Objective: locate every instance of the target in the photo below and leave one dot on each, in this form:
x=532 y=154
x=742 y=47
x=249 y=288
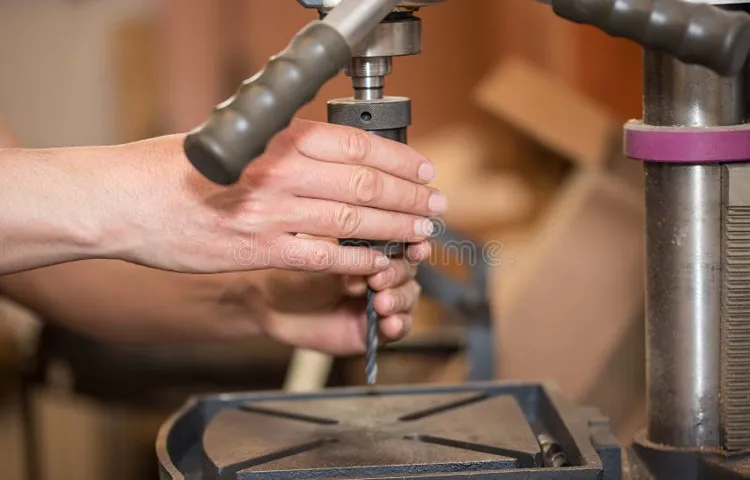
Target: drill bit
x=373 y=319
x=371 y=340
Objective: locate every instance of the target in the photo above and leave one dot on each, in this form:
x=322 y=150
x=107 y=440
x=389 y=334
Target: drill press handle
x=240 y=128
x=692 y=32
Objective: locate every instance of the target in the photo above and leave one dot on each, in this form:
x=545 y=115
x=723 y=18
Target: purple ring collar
x=687 y=144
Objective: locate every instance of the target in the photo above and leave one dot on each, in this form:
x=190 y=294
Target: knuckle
x=387 y=278
x=396 y=273
x=273 y=172
x=320 y=258
x=366 y=185
x=356 y=146
x=411 y=272
x=348 y=219
x=399 y=301
x=417 y=198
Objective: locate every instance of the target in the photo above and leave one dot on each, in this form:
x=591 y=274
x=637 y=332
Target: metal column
x=684 y=256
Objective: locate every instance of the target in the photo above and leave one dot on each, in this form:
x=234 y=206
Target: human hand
x=316 y=179
x=326 y=312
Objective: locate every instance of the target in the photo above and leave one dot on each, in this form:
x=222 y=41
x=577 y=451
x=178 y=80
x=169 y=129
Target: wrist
x=140 y=190
x=49 y=200
x=105 y=186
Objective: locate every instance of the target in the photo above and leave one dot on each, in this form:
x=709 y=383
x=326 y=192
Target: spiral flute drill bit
x=371 y=356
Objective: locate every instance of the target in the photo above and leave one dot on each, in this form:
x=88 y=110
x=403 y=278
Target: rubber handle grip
x=694 y=33
x=239 y=129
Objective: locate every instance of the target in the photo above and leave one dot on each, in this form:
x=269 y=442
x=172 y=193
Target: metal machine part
x=695 y=144
x=690 y=30
x=399 y=34
x=684 y=255
x=469 y=298
x=483 y=430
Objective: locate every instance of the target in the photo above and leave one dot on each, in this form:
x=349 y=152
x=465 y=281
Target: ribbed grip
x=240 y=128
x=694 y=33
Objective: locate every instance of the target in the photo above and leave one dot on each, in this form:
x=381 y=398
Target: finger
x=395 y=327
x=322 y=256
x=355 y=286
x=341 y=220
x=398 y=273
x=397 y=300
x=340 y=144
x=418 y=252
x=364 y=186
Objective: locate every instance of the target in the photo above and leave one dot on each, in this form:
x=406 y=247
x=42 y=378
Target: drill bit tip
x=372 y=376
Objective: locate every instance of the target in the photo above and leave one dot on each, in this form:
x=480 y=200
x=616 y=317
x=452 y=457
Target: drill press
x=695 y=142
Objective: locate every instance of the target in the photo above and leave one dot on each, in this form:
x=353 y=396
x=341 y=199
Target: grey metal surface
x=683 y=241
x=388 y=432
x=469 y=298
x=384 y=114
x=393 y=38
x=355 y=19
x=397 y=35
x=481 y=430
x=690 y=95
x=683 y=257
x=368 y=76
x=644 y=460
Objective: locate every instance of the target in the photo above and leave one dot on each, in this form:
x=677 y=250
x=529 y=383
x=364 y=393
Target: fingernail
x=423 y=228
x=438 y=203
x=382 y=262
x=426 y=172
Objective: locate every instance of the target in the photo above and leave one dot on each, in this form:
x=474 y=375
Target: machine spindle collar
x=687 y=144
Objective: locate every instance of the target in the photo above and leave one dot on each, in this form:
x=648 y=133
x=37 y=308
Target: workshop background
x=521 y=111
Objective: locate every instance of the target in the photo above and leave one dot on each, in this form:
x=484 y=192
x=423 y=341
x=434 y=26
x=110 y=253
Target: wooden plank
x=579 y=288
x=550 y=112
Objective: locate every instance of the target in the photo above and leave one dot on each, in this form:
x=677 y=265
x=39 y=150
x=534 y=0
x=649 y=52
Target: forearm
x=124 y=302
x=52 y=208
